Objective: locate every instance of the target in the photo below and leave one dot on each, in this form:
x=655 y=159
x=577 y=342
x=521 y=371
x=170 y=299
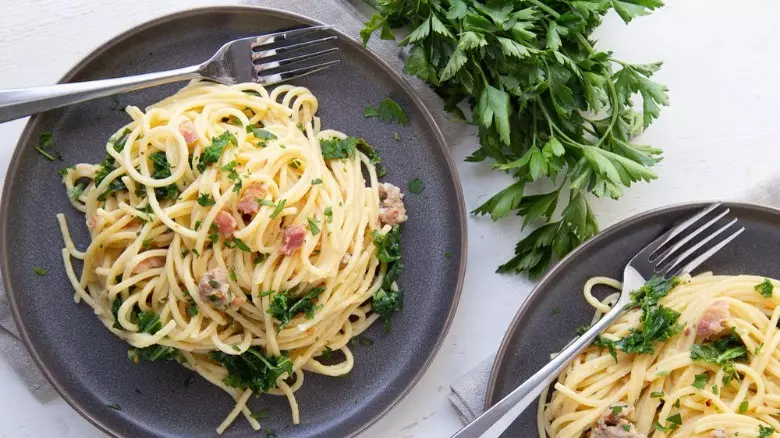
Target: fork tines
x=269 y=54
x=695 y=240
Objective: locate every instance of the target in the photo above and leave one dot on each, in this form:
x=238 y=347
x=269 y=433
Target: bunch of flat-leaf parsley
x=547 y=103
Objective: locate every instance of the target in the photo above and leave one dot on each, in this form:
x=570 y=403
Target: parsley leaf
x=387 y=111
x=206 y=199
x=278 y=209
x=415 y=186
x=284 y=307
x=316 y=181
x=252 y=369
x=388 y=244
x=241 y=245
x=313 y=226
x=162 y=169
x=744 y=406
x=547 y=102
x=765 y=288
x=724 y=352
x=658 y=323
x=40 y=271
x=213 y=152
x=388 y=299
x=765 y=431
x=47 y=148
x=699 y=381
x=149 y=322
x=108 y=165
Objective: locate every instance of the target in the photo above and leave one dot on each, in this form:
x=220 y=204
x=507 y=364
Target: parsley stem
x=545 y=8
x=554 y=127
x=615 y=110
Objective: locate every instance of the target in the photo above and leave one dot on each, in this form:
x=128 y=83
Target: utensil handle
x=496 y=419
x=25 y=101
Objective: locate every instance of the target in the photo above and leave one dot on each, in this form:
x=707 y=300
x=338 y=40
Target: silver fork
x=679 y=251
x=264 y=59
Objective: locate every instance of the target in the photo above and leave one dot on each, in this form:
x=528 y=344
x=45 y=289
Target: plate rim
x=400 y=82
x=550 y=276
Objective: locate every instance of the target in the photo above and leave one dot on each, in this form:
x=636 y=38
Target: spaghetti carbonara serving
x=695 y=357
x=230 y=232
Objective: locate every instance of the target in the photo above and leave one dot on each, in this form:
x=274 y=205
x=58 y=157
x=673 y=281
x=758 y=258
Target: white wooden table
x=720 y=135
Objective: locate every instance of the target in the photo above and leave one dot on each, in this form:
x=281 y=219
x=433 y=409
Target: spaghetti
x=229 y=231
x=718 y=376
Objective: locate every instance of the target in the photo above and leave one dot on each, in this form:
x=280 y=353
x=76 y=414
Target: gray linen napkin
x=348 y=19
x=468 y=392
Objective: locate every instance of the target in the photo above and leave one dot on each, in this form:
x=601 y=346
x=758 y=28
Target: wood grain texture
x=720 y=136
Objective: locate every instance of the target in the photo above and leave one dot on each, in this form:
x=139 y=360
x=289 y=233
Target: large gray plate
x=537 y=330
x=89 y=366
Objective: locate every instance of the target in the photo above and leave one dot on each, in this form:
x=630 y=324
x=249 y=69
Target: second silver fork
x=679 y=251
x=265 y=59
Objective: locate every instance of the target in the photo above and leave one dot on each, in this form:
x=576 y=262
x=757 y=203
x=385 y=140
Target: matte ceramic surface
x=89 y=366
x=548 y=319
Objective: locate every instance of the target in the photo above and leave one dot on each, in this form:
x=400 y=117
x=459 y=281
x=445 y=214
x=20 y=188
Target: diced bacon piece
x=614 y=423
x=187 y=129
x=214 y=289
x=391 y=204
x=225 y=223
x=151 y=262
x=250 y=200
x=293 y=238
x=713 y=319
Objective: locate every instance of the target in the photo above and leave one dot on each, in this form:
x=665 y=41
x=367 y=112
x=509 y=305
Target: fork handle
x=22 y=102
x=499 y=417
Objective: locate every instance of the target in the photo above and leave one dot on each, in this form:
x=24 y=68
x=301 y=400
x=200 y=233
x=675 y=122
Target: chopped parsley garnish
x=658 y=323
x=673 y=422
x=765 y=431
x=387 y=111
x=447 y=255
x=270 y=433
x=415 y=186
x=627 y=427
x=76 y=191
x=364 y=340
x=657 y=394
x=676 y=404
x=715 y=389
x=108 y=165
x=326 y=352
x=114 y=406
x=47 y=148
x=388 y=299
x=699 y=381
x=329 y=214
x=259 y=258
x=616 y=410
x=40 y=271
x=212 y=152
x=192 y=309
x=149 y=322
x=260 y=134
x=214 y=233
x=278 y=209
x=284 y=307
x=195 y=251
x=252 y=369
x=260 y=415
x=335 y=148
x=197 y=224
x=555 y=310
x=316 y=181
x=313 y=226
x=162 y=169
x=295 y=163
x=147 y=243
x=396 y=136
x=233 y=175
x=723 y=352
x=744 y=406
x=759 y=348
x=765 y=288
x=233 y=275
x=241 y=245
x=64 y=171
x=206 y=199
x=388 y=244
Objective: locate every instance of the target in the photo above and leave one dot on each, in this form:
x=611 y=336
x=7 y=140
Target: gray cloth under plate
x=348 y=19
